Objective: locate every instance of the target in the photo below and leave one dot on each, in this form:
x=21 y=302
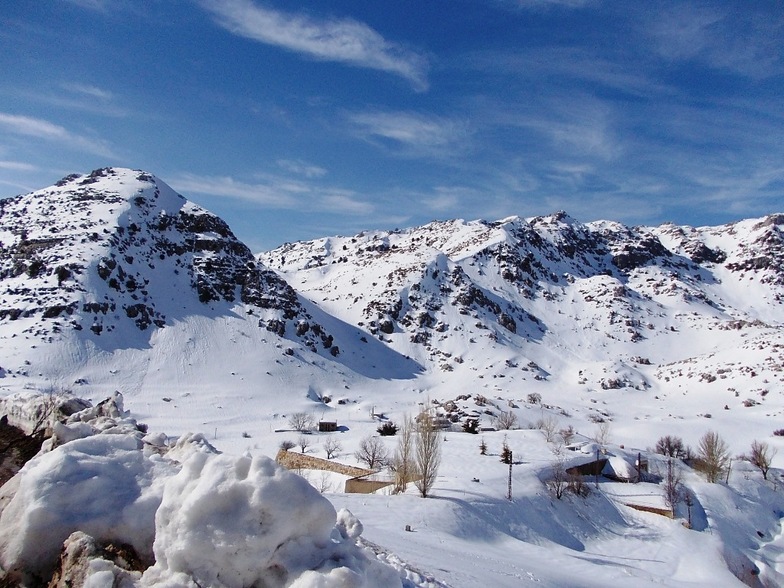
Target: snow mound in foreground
x=204 y=518
x=245 y=521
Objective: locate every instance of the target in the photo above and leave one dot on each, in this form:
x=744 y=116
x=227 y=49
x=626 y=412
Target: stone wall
x=292 y=460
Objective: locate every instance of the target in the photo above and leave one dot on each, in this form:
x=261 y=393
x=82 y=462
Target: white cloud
x=275 y=192
x=342 y=203
x=302 y=168
x=575 y=125
x=43 y=129
x=88 y=90
x=417 y=134
x=99 y=5
x=745 y=42
x=341 y=40
x=17 y=166
x=576 y=65
x=543 y=4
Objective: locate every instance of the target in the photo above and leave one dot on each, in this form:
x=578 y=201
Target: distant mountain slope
x=550 y=292
x=111 y=280
x=115 y=262
x=118 y=248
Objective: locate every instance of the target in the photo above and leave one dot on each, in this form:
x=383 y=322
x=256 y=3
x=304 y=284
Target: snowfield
x=199 y=517
x=203 y=518
x=592 y=336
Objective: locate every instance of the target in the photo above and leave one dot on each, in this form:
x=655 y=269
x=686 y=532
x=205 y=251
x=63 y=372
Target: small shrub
x=506 y=420
x=286 y=445
x=576 y=485
x=567 y=434
x=778 y=433
x=506 y=453
x=301 y=421
x=482 y=447
x=471 y=426
x=670 y=446
x=534 y=398
x=388 y=429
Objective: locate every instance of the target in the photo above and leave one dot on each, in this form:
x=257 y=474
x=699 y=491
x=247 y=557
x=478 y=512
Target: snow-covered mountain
x=111 y=281
x=538 y=297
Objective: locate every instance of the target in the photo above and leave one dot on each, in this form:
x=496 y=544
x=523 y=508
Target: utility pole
x=596 y=470
x=509 y=487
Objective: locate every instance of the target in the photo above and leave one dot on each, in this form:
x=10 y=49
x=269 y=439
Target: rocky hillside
x=542 y=290
x=118 y=254
x=112 y=280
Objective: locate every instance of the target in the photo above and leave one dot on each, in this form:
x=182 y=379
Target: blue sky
x=294 y=120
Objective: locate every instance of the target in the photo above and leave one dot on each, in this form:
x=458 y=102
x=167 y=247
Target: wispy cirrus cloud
x=88 y=90
x=340 y=40
x=48 y=131
x=543 y=4
x=98 y=5
x=302 y=168
x=551 y=66
x=416 y=134
x=743 y=41
x=275 y=192
x=81 y=97
x=17 y=166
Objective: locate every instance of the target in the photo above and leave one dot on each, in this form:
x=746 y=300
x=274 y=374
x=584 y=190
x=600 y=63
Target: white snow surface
x=664 y=346
x=211 y=520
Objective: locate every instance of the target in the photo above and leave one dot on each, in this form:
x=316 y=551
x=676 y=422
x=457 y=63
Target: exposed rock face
x=513 y=277
x=83 y=557
x=112 y=258
x=118 y=247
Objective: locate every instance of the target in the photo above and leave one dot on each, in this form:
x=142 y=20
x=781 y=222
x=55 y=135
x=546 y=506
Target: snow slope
x=111 y=281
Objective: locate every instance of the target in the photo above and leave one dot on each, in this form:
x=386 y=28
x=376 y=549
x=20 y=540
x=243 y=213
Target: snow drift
x=209 y=520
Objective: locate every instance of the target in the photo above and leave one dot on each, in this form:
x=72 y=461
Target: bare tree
x=403 y=463
x=673 y=490
x=303 y=442
x=558 y=479
x=670 y=446
x=428 y=453
x=323 y=483
x=602 y=435
x=372 y=451
x=287 y=444
x=548 y=426
x=567 y=434
x=714 y=456
x=45 y=411
x=332 y=447
x=505 y=420
x=575 y=483
x=761 y=456
x=301 y=421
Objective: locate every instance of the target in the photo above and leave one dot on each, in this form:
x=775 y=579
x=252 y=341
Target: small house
x=327 y=426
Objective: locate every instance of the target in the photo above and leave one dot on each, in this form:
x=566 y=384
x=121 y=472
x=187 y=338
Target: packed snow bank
x=245 y=521
x=102 y=485
x=203 y=518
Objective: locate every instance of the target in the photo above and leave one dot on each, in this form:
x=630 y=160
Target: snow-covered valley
x=615 y=336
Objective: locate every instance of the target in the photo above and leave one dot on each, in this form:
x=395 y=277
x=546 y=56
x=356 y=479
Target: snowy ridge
x=111 y=281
